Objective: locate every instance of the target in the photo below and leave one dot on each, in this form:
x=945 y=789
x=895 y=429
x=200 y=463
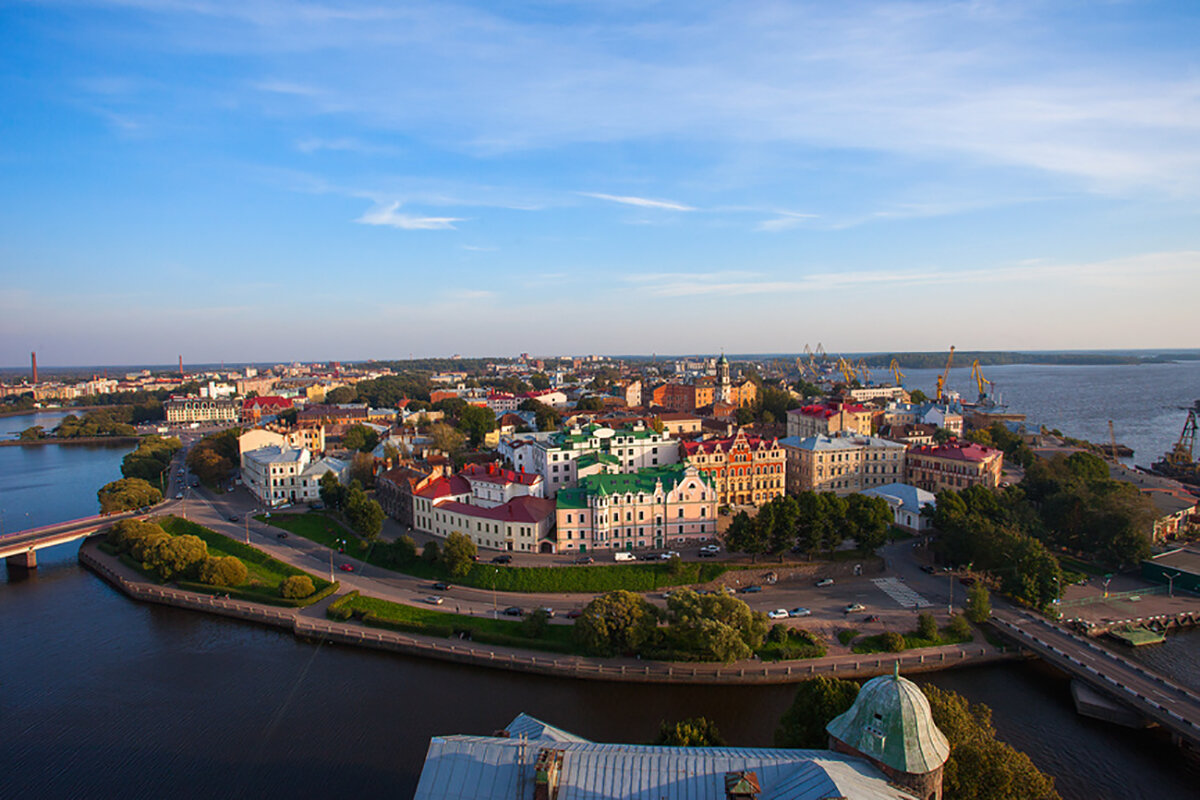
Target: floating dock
x=1137 y=636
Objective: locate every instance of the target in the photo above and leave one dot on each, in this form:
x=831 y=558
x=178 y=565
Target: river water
x=101 y=696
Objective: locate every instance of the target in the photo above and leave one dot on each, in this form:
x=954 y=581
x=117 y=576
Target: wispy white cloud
x=640 y=202
x=391 y=217
x=346 y=144
x=785 y=221
x=477 y=248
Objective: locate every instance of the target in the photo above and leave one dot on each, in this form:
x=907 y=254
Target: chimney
x=546 y=774
x=181 y=366
x=741 y=785
x=33 y=357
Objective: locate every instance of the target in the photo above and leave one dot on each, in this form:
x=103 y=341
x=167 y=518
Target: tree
x=960 y=628
x=127 y=494
x=917 y=396
x=817 y=702
x=691 y=732
x=341 y=395
x=476 y=422
x=980 y=766
x=446 y=438
x=744 y=415
x=333 y=494
x=590 y=403
x=927 y=627
x=979 y=603
x=430 y=553
x=868 y=519
x=296 y=586
x=364 y=514
x=539 y=381
x=225 y=571
x=535 y=623
x=891 y=641
x=360 y=438
x=173 y=556
x=716 y=627
x=127 y=531
x=32 y=434
x=458 y=554
x=615 y=623
x=404 y=550
x=942 y=435
x=547 y=418
x=744 y=536
x=362 y=469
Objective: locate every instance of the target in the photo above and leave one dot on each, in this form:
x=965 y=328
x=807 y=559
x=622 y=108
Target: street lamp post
x=1171 y=576
x=331 y=566
x=495 y=575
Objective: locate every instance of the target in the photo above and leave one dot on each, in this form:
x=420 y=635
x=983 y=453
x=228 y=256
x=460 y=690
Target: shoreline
x=121 y=440
x=302 y=624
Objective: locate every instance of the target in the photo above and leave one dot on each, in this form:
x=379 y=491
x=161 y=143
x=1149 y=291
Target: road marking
x=901 y=593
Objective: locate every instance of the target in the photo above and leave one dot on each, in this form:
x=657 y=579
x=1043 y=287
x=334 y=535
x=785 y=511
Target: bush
x=892 y=641
x=778 y=633
x=927 y=627
x=297 y=586
x=226 y=571
x=458 y=556
x=847 y=636
x=960 y=627
x=127 y=494
x=430 y=553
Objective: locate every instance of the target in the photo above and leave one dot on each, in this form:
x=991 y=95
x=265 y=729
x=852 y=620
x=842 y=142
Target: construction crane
x=981 y=382
x=864 y=371
x=847 y=371
x=1184 y=452
x=941 y=381
x=895 y=370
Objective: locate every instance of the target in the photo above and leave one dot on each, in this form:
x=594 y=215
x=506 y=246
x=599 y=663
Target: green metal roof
x=890 y=721
x=643 y=481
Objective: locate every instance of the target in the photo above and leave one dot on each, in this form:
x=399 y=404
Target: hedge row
x=590 y=579
x=264 y=596
x=441 y=631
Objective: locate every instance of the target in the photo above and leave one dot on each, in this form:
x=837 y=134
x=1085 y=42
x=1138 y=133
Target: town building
x=744 y=470
x=842 y=464
x=826 y=419
x=563 y=457
x=255 y=408
x=497 y=508
x=954 y=465
x=906 y=503
x=284 y=475
x=651 y=507
x=311 y=439
x=680 y=423
x=908 y=432
x=533 y=760
x=395 y=489
x=940 y=415
x=864 y=394
x=186 y=410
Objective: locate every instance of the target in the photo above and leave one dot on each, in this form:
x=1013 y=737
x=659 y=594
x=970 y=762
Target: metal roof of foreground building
x=890 y=721
x=503 y=768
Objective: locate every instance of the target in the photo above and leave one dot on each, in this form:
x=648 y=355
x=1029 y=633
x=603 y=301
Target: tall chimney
x=181 y=366
x=33 y=357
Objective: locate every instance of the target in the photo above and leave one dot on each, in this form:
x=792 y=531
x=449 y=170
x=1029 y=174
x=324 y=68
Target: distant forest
x=991 y=358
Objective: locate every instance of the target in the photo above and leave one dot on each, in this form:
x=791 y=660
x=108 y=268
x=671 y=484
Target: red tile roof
x=268 y=401
x=959 y=451
x=494 y=473
x=825 y=411
x=519 y=509
x=723 y=445
x=445 y=487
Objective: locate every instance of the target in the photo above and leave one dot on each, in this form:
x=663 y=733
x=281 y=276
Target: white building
x=906 y=503
x=562 y=457
x=942 y=415
x=499 y=509
x=275 y=475
x=180 y=410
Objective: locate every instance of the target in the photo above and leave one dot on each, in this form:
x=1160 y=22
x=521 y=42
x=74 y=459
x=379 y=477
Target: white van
x=623 y=556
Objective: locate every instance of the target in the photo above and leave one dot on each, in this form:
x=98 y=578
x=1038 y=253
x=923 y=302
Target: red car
x=574 y=613
x=346 y=568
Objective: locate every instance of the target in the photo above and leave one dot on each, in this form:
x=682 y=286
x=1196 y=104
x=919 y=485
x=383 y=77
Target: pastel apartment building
x=497 y=508
x=826 y=419
x=285 y=475
x=186 y=410
x=744 y=470
x=954 y=465
x=654 y=507
x=842 y=464
x=562 y=458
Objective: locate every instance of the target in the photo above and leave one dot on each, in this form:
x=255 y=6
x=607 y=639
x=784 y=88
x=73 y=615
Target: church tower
x=724 y=389
x=891 y=726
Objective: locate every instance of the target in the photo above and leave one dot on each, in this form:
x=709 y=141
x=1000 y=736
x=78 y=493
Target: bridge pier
x=26 y=560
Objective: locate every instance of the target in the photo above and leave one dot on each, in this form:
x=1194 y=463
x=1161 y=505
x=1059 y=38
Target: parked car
x=179 y=495
x=708 y=553
x=854 y=608
x=575 y=613
x=281 y=535
x=504 y=559
x=549 y=611
x=585 y=560
x=825 y=582
x=779 y=613
x=671 y=554
x=513 y=611
x=929 y=568
x=233 y=518
x=800 y=612
x=435 y=600
x=727 y=590
x=754 y=589
x=872 y=618
x=622 y=555
x=967 y=580
x=711 y=548
x=441 y=587
x=346 y=568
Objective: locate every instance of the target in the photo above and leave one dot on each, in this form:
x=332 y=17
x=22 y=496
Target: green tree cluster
x=817 y=701
x=362 y=469
x=617 y=623
x=126 y=494
x=296 y=586
x=151 y=459
x=156 y=550
x=32 y=434
x=691 y=732
x=360 y=438
x=811 y=522
x=547 y=418
x=979 y=603
x=458 y=554
x=98 y=422
x=213 y=458
x=363 y=513
x=224 y=571
x=713 y=627
x=331 y=490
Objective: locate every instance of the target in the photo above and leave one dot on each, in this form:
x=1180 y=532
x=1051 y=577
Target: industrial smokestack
x=33 y=358
x=181 y=366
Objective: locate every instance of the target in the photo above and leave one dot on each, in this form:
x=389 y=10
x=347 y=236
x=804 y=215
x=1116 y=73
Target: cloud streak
x=391 y=217
x=639 y=202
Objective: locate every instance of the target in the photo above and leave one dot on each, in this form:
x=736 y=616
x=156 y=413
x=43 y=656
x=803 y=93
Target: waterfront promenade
x=310 y=623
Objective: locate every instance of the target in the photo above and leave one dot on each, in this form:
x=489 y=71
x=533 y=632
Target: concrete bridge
x=1155 y=698
x=20 y=548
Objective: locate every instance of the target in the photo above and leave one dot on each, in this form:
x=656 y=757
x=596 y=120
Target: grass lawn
x=874 y=644
x=847 y=636
x=592 y=578
x=799 y=644
x=1084 y=567
x=264 y=573
x=416 y=619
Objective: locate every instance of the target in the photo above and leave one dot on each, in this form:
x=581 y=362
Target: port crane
x=847 y=371
x=981 y=382
x=894 y=367
x=864 y=371
x=1184 y=452
x=941 y=381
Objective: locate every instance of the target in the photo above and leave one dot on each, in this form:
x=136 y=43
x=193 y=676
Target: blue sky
x=259 y=180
